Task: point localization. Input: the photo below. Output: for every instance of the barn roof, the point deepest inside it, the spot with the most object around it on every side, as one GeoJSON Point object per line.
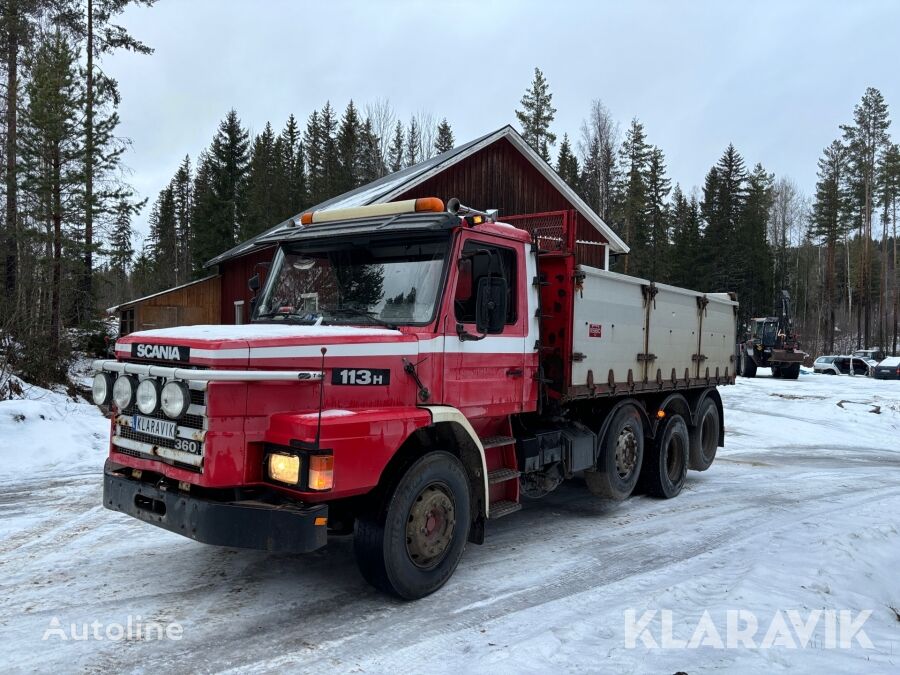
{"type": "Point", "coordinates": [116, 308]}
{"type": "Point", "coordinates": [389, 187]}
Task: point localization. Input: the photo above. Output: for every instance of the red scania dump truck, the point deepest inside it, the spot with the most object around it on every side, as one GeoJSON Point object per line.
{"type": "Point", "coordinates": [412, 371]}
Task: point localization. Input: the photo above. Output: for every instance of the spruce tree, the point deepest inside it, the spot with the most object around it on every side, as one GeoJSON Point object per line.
{"type": "Point", "coordinates": [686, 243]}
{"type": "Point", "coordinates": [291, 188]}
{"type": "Point", "coordinates": [413, 150]}
{"type": "Point", "coordinates": [754, 261]}
{"type": "Point", "coordinates": [444, 140]}
{"type": "Point", "coordinates": [207, 232]}
{"type": "Point", "coordinates": [315, 166]}
{"type": "Point", "coordinates": [349, 151]}
{"type": "Point", "coordinates": [164, 239]}
{"type": "Point", "coordinates": [330, 158]}
{"type": "Point", "coordinates": [370, 162]}
{"type": "Point", "coordinates": [183, 193]}
{"type": "Point", "coordinates": [537, 115]}
{"type": "Point", "coordinates": [632, 196]}
{"type": "Point", "coordinates": [396, 148]}
{"type": "Point", "coordinates": [121, 247]}
{"type": "Point", "coordinates": [229, 154]}
{"type": "Point", "coordinates": [657, 217]}
{"type": "Point", "coordinates": [261, 185]}
{"type": "Point", "coordinates": [567, 163]}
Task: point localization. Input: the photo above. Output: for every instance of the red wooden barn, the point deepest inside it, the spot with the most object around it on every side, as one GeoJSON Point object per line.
{"type": "Point", "coordinates": [497, 171]}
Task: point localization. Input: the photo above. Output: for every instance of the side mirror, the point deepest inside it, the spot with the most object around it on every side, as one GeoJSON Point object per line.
{"type": "Point", "coordinates": [490, 305]}
{"type": "Point", "coordinates": [253, 283]}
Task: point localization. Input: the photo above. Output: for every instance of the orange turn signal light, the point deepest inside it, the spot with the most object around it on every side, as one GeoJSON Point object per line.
{"type": "Point", "coordinates": [660, 414]}
{"type": "Point", "coordinates": [321, 472]}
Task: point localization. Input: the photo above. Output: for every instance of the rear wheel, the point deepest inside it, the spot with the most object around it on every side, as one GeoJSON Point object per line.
{"type": "Point", "coordinates": [748, 366]}
{"type": "Point", "coordinates": [705, 436]}
{"type": "Point", "coordinates": [776, 371]}
{"type": "Point", "coordinates": [791, 372]}
{"type": "Point", "coordinates": [666, 463]}
{"type": "Point", "coordinates": [621, 456]}
{"type": "Point", "coordinates": [413, 544]}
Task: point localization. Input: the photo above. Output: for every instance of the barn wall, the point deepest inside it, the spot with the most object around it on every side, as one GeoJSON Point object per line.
{"type": "Point", "coordinates": [191, 305]}
{"type": "Point", "coordinates": [235, 274]}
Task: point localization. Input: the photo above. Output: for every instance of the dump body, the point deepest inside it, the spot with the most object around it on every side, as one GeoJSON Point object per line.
{"type": "Point", "coordinates": [631, 333]}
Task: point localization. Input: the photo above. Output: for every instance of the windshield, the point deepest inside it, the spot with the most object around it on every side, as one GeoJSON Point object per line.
{"type": "Point", "coordinates": [389, 283]}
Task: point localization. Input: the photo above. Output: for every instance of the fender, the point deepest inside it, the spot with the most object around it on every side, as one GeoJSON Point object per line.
{"type": "Point", "coordinates": [713, 393]}
{"type": "Point", "coordinates": [680, 404]}
{"type": "Point", "coordinates": [446, 413]}
{"type": "Point", "coordinates": [648, 427]}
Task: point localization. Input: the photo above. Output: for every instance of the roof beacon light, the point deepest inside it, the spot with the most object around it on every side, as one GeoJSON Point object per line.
{"type": "Point", "coordinates": [432, 204]}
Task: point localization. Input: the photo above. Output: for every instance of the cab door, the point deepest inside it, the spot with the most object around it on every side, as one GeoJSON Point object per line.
{"type": "Point", "coordinates": [484, 370]}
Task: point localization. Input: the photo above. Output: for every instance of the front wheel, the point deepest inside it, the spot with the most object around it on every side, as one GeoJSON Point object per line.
{"type": "Point", "coordinates": [621, 456]}
{"type": "Point", "coordinates": [413, 544]}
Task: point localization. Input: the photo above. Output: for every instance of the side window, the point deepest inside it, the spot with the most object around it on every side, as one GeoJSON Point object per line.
{"type": "Point", "coordinates": [479, 261]}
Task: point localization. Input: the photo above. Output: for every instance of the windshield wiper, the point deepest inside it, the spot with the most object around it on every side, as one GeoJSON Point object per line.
{"type": "Point", "coordinates": [355, 311]}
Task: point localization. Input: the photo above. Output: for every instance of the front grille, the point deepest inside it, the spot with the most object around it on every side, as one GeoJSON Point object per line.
{"type": "Point", "coordinates": [192, 421]}
{"type": "Point", "coordinates": [128, 432]}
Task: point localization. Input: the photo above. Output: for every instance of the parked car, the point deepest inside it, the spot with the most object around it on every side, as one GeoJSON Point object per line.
{"type": "Point", "coordinates": [841, 365]}
{"type": "Point", "coordinates": [870, 356]}
{"type": "Point", "coordinates": [888, 369]}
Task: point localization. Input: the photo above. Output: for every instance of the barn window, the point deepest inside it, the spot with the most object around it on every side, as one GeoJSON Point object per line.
{"type": "Point", "coordinates": [126, 321]}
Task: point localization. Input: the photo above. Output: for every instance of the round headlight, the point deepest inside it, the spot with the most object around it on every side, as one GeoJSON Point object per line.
{"type": "Point", "coordinates": [175, 399]}
{"type": "Point", "coordinates": [102, 388]}
{"type": "Point", "coordinates": [123, 392]}
{"type": "Point", "coordinates": [148, 396]}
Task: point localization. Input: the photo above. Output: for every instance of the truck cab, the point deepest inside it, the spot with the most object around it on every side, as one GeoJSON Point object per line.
{"type": "Point", "coordinates": [394, 383]}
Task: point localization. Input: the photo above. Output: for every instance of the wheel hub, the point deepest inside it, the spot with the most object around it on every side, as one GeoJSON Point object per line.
{"type": "Point", "coordinates": [626, 452]}
{"type": "Point", "coordinates": [430, 526]}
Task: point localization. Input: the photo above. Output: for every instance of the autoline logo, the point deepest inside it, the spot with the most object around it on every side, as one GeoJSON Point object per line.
{"type": "Point", "coordinates": [739, 628]}
{"type": "Point", "coordinates": [161, 352]}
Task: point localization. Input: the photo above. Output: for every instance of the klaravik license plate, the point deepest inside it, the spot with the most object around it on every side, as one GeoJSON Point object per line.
{"type": "Point", "coordinates": [154, 427]}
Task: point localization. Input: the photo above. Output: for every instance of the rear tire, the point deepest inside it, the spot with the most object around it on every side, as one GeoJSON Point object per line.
{"type": "Point", "coordinates": [776, 371]}
{"type": "Point", "coordinates": [621, 456]}
{"type": "Point", "coordinates": [791, 372]}
{"type": "Point", "coordinates": [705, 436]}
{"type": "Point", "coordinates": [666, 462]}
{"type": "Point", "coordinates": [748, 366]}
{"type": "Point", "coordinates": [414, 542]}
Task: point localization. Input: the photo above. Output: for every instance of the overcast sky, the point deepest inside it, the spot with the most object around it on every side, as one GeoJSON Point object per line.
{"type": "Point", "coordinates": [774, 78]}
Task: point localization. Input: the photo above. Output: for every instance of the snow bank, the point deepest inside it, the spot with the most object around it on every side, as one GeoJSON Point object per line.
{"type": "Point", "coordinates": [48, 432]}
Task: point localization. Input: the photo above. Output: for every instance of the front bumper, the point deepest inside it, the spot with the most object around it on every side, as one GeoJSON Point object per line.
{"type": "Point", "coordinates": [784, 356]}
{"type": "Point", "coordinates": [281, 528]}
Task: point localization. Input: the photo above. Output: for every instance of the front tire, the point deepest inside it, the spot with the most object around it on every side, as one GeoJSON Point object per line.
{"type": "Point", "coordinates": [666, 463]}
{"type": "Point", "coordinates": [705, 436]}
{"type": "Point", "coordinates": [414, 543]}
{"type": "Point", "coordinates": [621, 456]}
{"type": "Point", "coordinates": [791, 372]}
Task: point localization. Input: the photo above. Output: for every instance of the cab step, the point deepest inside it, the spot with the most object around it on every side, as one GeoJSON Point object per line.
{"type": "Point", "coordinates": [496, 441]}
{"type": "Point", "coordinates": [503, 508]}
{"type": "Point", "coordinates": [502, 475]}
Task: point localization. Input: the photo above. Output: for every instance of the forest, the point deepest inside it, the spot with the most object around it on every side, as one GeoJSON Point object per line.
{"type": "Point", "coordinates": [69, 247]}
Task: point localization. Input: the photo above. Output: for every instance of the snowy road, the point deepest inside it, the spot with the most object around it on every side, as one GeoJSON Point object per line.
{"type": "Point", "coordinates": [801, 511]}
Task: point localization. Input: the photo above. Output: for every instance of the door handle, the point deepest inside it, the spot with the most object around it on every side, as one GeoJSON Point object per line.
{"type": "Point", "coordinates": [515, 372]}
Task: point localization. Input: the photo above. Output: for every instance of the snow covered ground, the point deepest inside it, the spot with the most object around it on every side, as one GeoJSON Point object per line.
{"type": "Point", "coordinates": [800, 512]}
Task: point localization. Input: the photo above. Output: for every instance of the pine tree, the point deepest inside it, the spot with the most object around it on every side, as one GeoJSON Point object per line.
{"type": "Point", "coordinates": [866, 140]}
{"type": "Point", "coordinates": [413, 150]}
{"type": "Point", "coordinates": [101, 152]}
{"type": "Point", "coordinates": [395, 151]}
{"type": "Point", "coordinates": [567, 163]}
{"type": "Point", "coordinates": [51, 160]}
{"type": "Point", "coordinates": [537, 115]}
{"type": "Point", "coordinates": [830, 225]}
{"type": "Point", "coordinates": [261, 211]}
{"type": "Point", "coordinates": [444, 140]}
